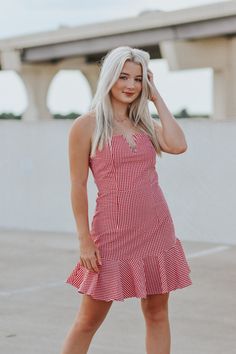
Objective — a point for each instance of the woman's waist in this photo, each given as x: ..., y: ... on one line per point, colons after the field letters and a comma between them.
x: 127, y: 183
x: 126, y: 188
x: 144, y: 199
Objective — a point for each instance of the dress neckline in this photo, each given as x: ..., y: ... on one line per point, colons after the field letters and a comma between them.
x: 122, y: 135
x: 134, y: 134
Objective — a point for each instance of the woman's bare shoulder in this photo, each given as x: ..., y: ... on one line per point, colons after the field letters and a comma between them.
x: 83, y: 125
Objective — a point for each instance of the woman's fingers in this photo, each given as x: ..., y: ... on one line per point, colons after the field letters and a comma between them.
x: 98, y: 257
x: 91, y: 264
x: 150, y: 73
x: 81, y: 262
x: 150, y: 76
x: 90, y: 255
x: 94, y: 264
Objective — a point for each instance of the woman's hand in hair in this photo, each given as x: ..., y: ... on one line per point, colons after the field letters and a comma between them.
x: 153, y: 93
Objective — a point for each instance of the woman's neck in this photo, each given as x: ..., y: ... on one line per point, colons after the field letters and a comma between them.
x: 120, y: 110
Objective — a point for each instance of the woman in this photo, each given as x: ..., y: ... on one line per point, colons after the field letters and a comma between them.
x: 131, y: 249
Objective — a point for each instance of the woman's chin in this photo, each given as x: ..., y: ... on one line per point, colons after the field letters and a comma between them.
x: 127, y: 99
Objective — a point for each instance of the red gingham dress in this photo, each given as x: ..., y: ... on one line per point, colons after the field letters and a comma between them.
x: 132, y: 227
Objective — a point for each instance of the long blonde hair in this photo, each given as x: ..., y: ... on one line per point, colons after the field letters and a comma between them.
x: 139, y: 114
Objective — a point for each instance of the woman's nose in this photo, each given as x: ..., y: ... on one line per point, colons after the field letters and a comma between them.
x: 130, y: 83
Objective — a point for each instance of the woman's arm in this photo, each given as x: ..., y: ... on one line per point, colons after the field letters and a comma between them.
x: 79, y: 147
x: 171, y: 136
x: 79, y: 150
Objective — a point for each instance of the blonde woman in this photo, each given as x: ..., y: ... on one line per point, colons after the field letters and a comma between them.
x: 132, y: 249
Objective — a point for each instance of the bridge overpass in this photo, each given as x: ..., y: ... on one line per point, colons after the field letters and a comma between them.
x: 196, y: 37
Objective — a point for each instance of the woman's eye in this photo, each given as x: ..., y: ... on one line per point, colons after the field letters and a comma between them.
x: 125, y: 78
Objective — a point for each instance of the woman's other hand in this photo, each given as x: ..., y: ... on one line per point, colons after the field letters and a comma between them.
x: 153, y: 95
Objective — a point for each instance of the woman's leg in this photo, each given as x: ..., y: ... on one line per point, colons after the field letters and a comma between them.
x: 91, y: 314
x: 155, y: 311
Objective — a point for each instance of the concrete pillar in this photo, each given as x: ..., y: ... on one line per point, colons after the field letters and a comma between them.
x: 91, y: 72
x: 225, y: 85
x: 216, y: 53
x: 37, y: 79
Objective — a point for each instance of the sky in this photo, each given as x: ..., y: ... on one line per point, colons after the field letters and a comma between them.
x: 69, y: 90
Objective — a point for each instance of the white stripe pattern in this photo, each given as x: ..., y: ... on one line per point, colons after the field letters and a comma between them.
x: 132, y: 227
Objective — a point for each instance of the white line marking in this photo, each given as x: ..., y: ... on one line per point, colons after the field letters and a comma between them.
x: 62, y: 283
x: 30, y: 289
x: 208, y: 251
x: 114, y: 349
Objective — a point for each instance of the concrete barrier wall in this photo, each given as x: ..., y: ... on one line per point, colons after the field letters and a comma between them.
x: 199, y: 185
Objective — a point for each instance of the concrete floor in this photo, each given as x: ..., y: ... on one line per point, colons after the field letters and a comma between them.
x: 37, y: 307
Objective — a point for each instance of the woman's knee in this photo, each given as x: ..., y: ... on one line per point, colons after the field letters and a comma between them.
x: 87, y: 324
x: 155, y: 307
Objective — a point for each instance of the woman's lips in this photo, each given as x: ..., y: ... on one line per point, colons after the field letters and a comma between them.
x: 129, y: 93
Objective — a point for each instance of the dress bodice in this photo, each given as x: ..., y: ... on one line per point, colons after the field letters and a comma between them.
x: 110, y: 166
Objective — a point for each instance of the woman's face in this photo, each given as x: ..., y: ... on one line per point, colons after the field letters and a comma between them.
x: 129, y: 85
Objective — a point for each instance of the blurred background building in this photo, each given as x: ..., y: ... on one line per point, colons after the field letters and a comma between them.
x: 48, y: 77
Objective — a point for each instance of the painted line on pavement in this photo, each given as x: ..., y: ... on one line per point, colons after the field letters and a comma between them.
x: 207, y: 252
x: 62, y: 283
